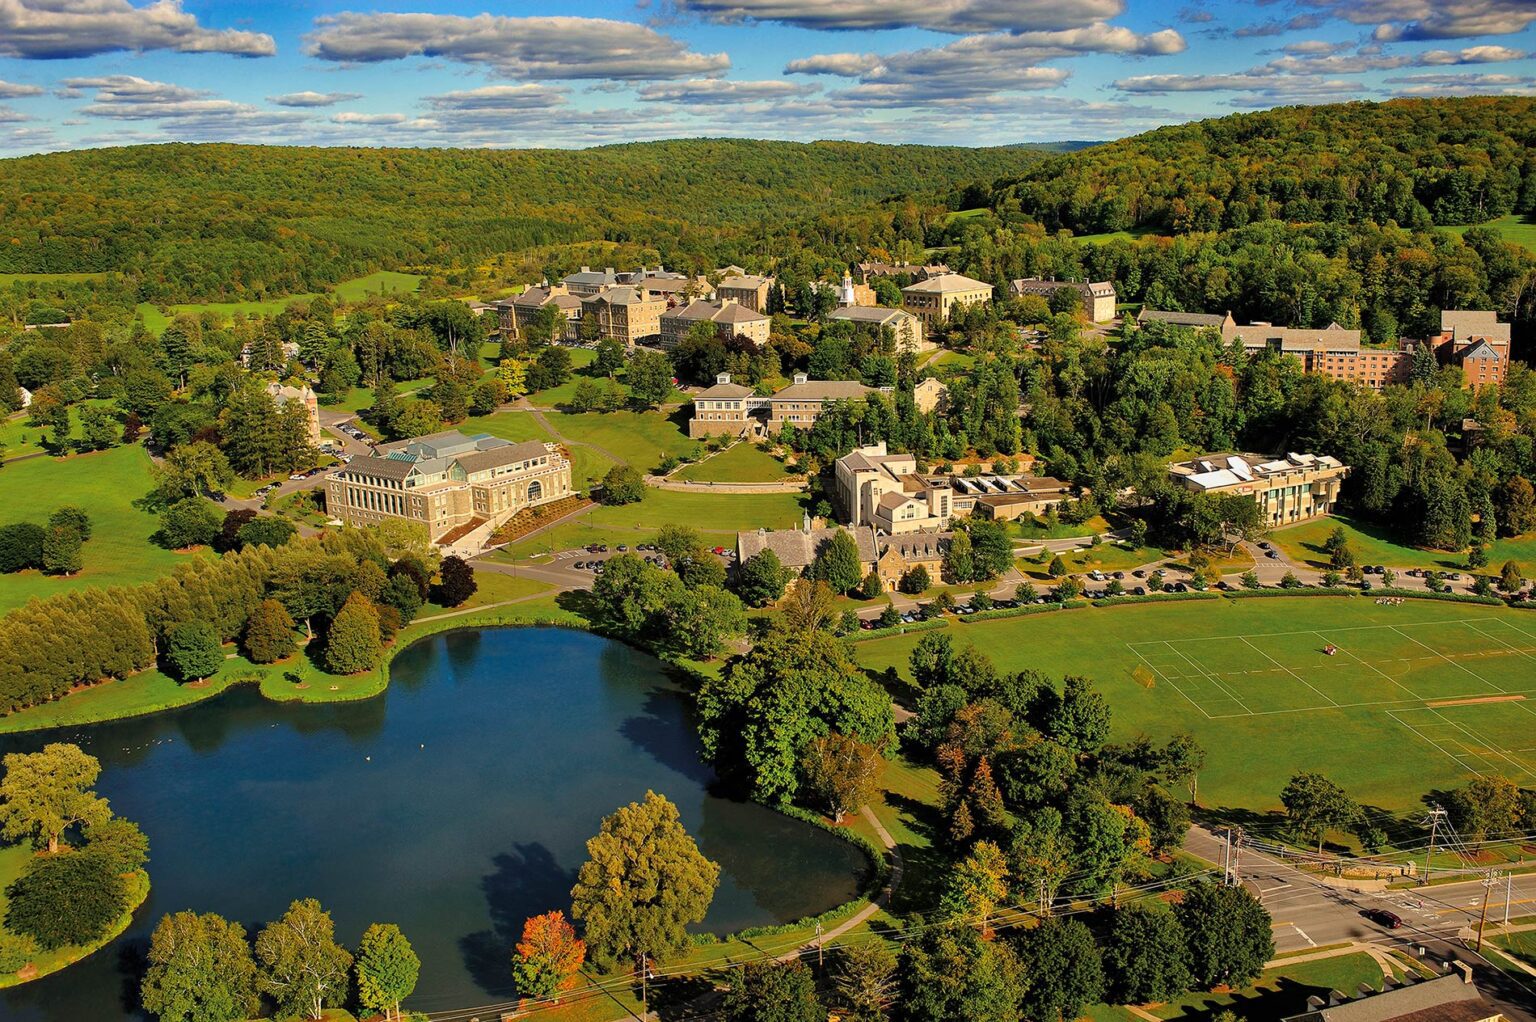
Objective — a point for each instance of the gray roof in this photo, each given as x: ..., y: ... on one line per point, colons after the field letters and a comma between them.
x: 918, y: 545
x: 946, y: 283
x: 1039, y: 286
x: 822, y: 390
x: 1259, y: 335
x: 1480, y: 350
x: 870, y: 314
x: 1179, y: 318
x: 1449, y: 998
x: 384, y: 468
x: 721, y: 390
x: 715, y: 312
x: 1465, y: 324
x: 749, y: 282
x: 509, y: 454
x: 797, y: 548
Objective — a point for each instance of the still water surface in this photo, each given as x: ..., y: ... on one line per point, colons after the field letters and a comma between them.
x: 456, y: 805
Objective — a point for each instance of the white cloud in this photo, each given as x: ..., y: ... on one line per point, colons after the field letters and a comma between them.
x: 353, y: 117
x: 719, y: 91
x: 960, y: 17
x: 977, y: 66
x: 530, y: 48
x: 503, y: 99
x: 1433, y: 19
x: 53, y: 29
x: 1463, y: 84
x: 178, y: 111
x: 12, y: 90
x: 9, y: 115
x: 1471, y: 55
x: 312, y: 99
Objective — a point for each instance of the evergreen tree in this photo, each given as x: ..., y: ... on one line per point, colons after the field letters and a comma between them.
x: 354, y: 644
x: 61, y: 900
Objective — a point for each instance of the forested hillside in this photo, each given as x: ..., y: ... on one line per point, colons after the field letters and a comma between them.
x: 1414, y: 162
x: 224, y: 221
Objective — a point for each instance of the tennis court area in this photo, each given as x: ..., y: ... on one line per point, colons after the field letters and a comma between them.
x: 1462, y: 686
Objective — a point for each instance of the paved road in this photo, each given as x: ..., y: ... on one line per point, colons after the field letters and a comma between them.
x: 1310, y: 913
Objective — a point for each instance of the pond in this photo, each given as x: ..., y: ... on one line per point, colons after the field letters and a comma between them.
x: 456, y: 805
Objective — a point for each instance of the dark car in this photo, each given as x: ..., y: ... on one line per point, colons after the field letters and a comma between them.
x: 1391, y: 920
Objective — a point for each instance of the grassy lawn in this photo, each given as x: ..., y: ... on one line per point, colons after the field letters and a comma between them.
x: 1099, y: 239
x: 1104, y: 557
x: 719, y: 516
x: 587, y: 465
x: 1303, y: 543
x: 1249, y: 679
x: 105, y: 484
x: 18, y: 437
x: 14, y: 859
x: 1518, y: 230
x: 641, y: 439
x: 1281, y: 991
x: 383, y: 282
x: 740, y: 463
x: 1521, y: 945
x: 493, y: 587
x: 1029, y: 527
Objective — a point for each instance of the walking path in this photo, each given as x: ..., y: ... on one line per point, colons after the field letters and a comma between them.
x: 879, y: 902
x: 538, y: 416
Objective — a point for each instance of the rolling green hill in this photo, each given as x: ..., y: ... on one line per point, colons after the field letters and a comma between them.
x: 1415, y: 162
x: 230, y: 222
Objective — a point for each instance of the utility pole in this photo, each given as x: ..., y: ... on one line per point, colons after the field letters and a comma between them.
x: 821, y: 961
x: 645, y: 1002
x: 1045, y: 907
x: 1482, y: 919
x: 1509, y: 892
x: 1237, y: 860
x: 1226, y: 859
x: 1436, y: 814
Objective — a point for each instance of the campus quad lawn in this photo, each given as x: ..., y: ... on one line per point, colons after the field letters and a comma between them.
x: 1249, y: 679
x: 385, y: 282
x: 641, y: 439
x: 740, y: 463
x: 105, y: 484
x: 18, y: 437
x: 1104, y: 557
x: 717, y: 516
x: 14, y: 859
x: 1371, y: 544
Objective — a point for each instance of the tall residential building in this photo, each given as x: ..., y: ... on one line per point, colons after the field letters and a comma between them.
x: 1475, y: 341
x: 627, y: 314
x: 749, y: 290
x: 907, y: 328
x: 283, y: 394
x: 514, y: 314
x: 450, y: 483
x: 729, y: 319
x: 1098, y: 297
x: 884, y: 491
x: 1288, y: 490
x: 933, y: 299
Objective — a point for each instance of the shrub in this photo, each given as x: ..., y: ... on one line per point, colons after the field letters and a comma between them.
x: 68, y: 898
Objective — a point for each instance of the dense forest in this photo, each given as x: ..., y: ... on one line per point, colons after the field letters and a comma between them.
x: 203, y: 222
x: 1410, y: 162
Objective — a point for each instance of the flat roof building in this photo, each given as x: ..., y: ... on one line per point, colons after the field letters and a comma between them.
x: 1289, y: 489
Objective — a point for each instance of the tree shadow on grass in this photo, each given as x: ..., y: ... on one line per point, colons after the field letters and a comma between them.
x: 526, y: 882
x: 923, y: 868
x: 1267, y: 1004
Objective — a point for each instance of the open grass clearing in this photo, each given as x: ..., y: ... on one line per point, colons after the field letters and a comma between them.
x: 742, y: 462
x: 1249, y: 678
x: 641, y: 439
x: 1517, y: 230
x: 105, y: 484
x: 383, y: 282
x: 1281, y: 992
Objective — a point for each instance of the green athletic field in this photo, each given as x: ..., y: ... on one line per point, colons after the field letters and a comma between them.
x: 1419, y: 696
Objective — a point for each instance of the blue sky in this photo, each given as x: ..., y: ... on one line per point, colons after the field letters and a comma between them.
x: 77, y: 73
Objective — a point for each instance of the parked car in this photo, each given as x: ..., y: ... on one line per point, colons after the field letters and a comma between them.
x: 623, y: 549
x: 1139, y: 573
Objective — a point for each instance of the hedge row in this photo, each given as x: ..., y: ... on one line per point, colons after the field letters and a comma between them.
x: 901, y: 629
x: 1115, y: 601
x: 1034, y: 608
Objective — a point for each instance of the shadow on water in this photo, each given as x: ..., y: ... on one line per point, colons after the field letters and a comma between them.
x: 525, y: 882
x: 662, y: 733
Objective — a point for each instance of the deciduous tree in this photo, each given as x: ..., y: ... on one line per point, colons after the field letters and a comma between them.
x: 354, y: 644
x: 1228, y: 934
x: 643, y: 882
x: 200, y: 970
x: 842, y: 772
x: 302, y: 968
x: 548, y: 958
x: 387, y: 969
x: 193, y: 651
x: 45, y: 793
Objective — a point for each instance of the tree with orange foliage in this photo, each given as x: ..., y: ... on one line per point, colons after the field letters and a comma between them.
x: 548, y: 957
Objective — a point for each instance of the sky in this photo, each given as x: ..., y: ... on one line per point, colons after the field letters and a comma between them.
x: 532, y: 73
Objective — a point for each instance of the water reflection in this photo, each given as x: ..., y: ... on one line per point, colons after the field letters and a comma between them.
x: 455, y: 805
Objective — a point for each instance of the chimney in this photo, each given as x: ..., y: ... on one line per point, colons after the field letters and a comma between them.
x: 801, y: 378
x: 586, y: 269
x: 1464, y: 969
